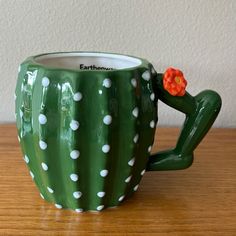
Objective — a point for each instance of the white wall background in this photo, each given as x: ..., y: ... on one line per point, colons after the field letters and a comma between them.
x: 197, y: 36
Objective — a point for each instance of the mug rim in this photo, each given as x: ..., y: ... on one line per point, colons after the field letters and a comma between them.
x: 140, y: 61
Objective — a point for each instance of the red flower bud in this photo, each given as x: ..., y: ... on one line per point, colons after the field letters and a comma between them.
x: 174, y: 82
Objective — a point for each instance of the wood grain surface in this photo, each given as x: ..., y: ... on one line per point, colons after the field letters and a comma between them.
x: 200, y: 200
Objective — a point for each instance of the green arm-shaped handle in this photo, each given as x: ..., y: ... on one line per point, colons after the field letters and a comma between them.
x: 201, y: 112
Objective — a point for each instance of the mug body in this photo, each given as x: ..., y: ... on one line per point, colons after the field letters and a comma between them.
x: 86, y: 124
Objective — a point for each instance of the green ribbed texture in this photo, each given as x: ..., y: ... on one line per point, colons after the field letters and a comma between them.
x: 77, y: 161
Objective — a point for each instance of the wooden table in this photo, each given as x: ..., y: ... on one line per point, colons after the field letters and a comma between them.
x: 200, y: 200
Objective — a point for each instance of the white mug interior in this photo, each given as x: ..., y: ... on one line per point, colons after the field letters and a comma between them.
x: 88, y: 61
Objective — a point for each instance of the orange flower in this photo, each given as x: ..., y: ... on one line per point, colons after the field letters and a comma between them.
x: 174, y: 82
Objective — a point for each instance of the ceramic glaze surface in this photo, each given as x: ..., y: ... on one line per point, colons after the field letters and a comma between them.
x: 86, y: 133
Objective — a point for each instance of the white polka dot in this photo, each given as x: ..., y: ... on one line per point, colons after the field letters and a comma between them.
x: 58, y: 206
x: 152, y: 124
x: 143, y: 172
x: 153, y: 70
x: 42, y: 119
x: 44, y: 166
x: 74, y: 124
x: 31, y: 174
x: 136, y: 187
x: 99, y: 208
x: 79, y: 210
x: 104, y: 173
x: 45, y: 81
x: 136, y: 138
x: 77, y: 194
x: 128, y: 179
x: 121, y: 198
x: 74, y: 177
x: 50, y: 190
x: 42, y: 145
x: 21, y: 113
x: 41, y: 195
x: 107, y: 120
x: 101, y: 194
x: 152, y: 96
x: 131, y: 162
x: 26, y: 158
x: 135, y: 112
x: 77, y: 96
x: 149, y: 149
x: 146, y: 75
x: 19, y: 68
x: 134, y: 83
x: 100, y: 91
x: 106, y: 148
x: 74, y: 154
x: 106, y: 83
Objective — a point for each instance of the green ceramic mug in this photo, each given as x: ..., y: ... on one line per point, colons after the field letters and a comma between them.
x: 86, y: 123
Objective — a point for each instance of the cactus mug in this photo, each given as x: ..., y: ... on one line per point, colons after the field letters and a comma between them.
x: 86, y: 123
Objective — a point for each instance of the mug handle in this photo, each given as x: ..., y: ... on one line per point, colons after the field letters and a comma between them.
x: 201, y: 112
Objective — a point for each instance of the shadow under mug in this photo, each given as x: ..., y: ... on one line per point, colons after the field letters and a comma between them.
x: 86, y: 123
